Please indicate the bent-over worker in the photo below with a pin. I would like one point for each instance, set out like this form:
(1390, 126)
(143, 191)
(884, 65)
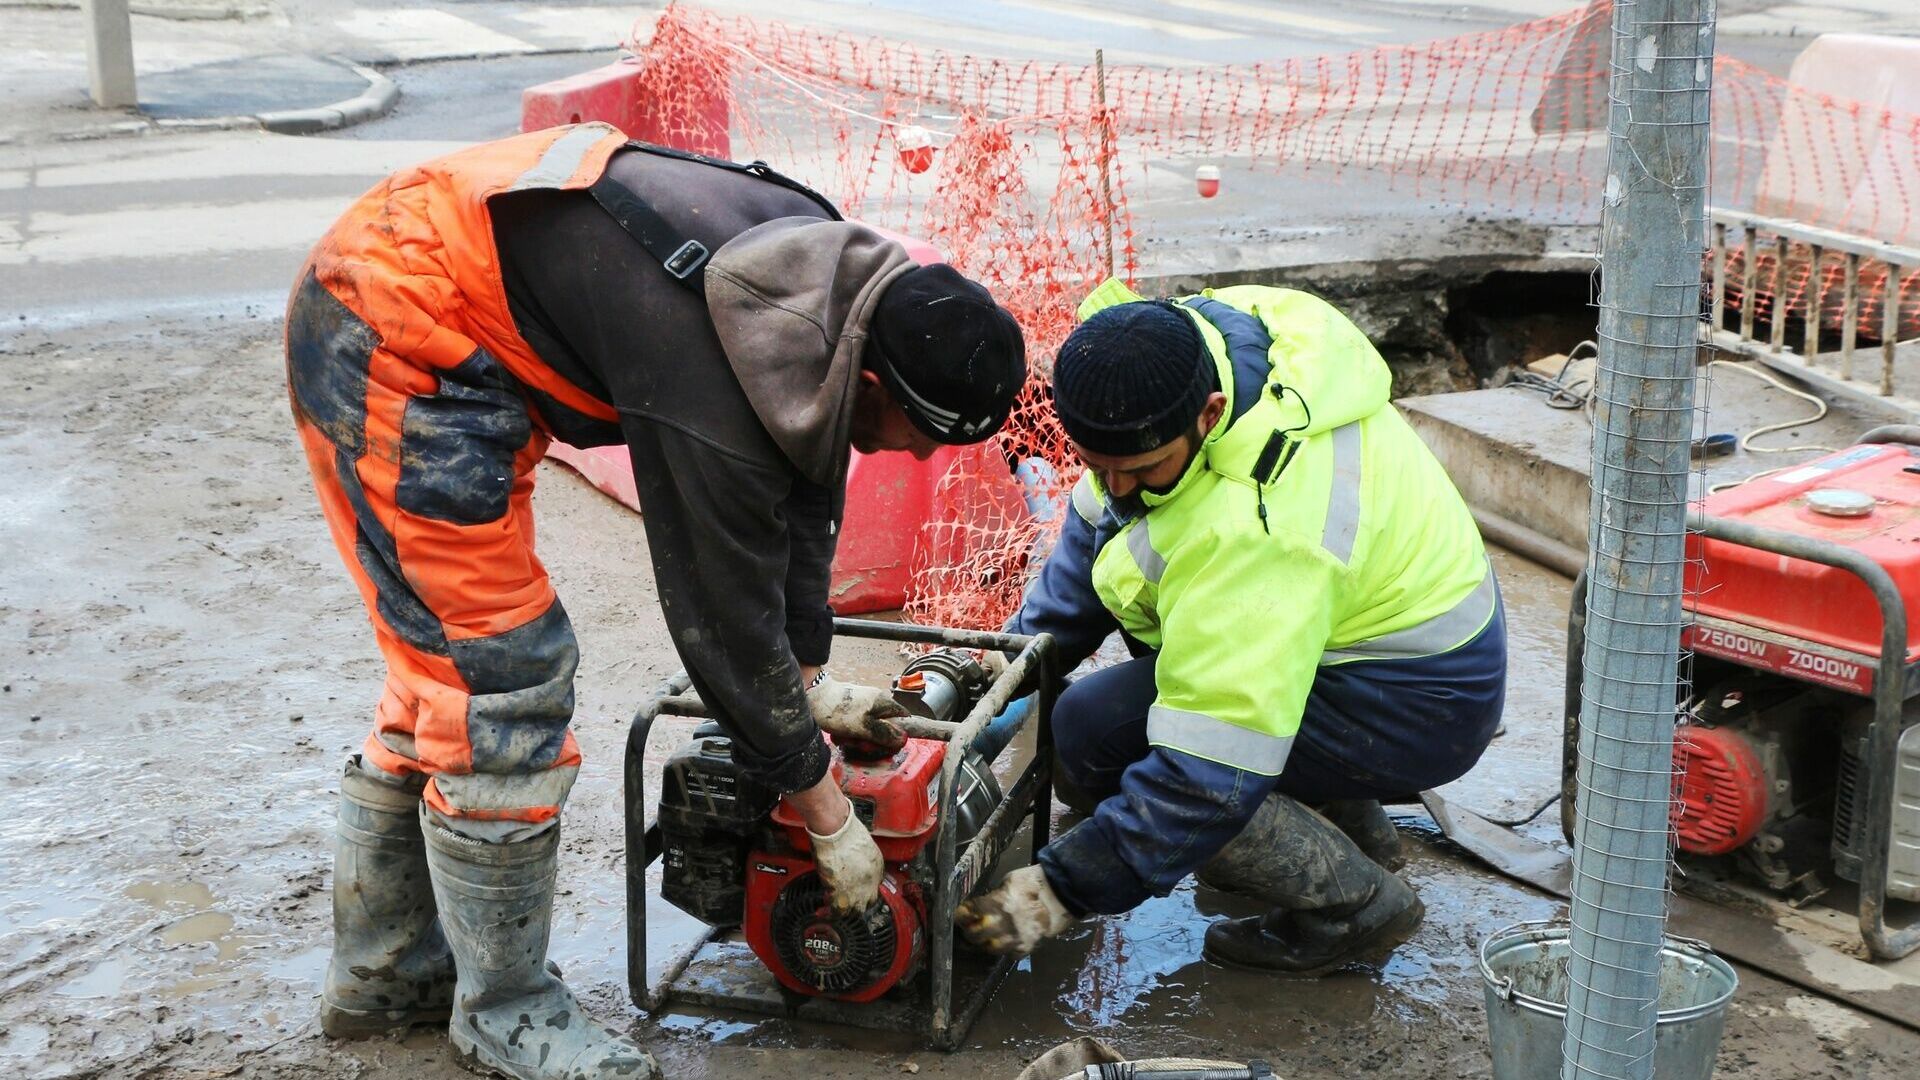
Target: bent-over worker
(724, 324)
(1314, 623)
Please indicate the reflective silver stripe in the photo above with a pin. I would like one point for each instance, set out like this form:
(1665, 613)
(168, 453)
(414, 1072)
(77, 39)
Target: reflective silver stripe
(470, 792)
(1216, 740)
(563, 158)
(1343, 502)
(1085, 502)
(1140, 543)
(1444, 631)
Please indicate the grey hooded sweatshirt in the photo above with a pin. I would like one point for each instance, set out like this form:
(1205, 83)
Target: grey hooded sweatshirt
(735, 404)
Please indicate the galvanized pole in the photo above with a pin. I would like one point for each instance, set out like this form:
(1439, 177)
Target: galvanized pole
(1653, 238)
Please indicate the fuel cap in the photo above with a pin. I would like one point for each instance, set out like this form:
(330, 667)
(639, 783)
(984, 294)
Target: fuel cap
(1840, 502)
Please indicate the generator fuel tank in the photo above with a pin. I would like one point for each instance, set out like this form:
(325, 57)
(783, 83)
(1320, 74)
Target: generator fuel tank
(1763, 610)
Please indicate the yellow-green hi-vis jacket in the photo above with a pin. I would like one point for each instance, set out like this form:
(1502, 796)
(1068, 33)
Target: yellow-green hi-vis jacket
(1313, 529)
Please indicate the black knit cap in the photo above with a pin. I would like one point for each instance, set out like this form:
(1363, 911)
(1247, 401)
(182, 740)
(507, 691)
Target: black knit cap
(1132, 378)
(951, 357)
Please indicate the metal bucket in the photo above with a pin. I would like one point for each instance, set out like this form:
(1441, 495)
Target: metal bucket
(1525, 970)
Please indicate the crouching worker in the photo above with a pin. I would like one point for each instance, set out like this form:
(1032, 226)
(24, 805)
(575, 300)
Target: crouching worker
(1314, 622)
(724, 324)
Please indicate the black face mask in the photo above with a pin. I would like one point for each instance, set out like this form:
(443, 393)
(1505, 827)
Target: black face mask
(1133, 506)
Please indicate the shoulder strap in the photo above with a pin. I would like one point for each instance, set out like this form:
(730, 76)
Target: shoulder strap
(759, 169)
(684, 259)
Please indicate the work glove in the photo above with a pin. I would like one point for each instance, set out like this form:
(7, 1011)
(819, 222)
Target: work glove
(850, 864)
(1015, 915)
(856, 712)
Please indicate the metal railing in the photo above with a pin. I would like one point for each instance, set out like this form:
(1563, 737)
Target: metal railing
(1794, 245)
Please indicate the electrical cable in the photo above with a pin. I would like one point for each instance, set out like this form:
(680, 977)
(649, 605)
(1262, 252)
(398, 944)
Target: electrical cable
(1746, 440)
(1819, 413)
(1514, 823)
(1560, 393)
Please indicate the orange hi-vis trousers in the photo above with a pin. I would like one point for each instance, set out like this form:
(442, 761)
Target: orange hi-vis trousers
(412, 394)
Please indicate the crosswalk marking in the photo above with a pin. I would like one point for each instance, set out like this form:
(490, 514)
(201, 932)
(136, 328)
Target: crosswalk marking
(176, 232)
(1132, 22)
(423, 34)
(238, 154)
(577, 27)
(1275, 16)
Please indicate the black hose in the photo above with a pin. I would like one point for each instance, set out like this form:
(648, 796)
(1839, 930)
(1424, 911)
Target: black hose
(1528, 820)
(1893, 433)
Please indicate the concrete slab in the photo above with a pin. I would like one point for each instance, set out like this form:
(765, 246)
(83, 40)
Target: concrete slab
(1515, 457)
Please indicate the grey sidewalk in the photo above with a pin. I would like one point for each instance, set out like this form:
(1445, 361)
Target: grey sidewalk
(293, 66)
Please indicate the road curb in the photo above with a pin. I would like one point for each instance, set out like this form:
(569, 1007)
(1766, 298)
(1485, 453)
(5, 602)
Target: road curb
(377, 100)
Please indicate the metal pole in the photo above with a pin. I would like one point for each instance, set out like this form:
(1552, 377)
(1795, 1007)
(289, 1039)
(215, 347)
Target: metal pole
(109, 53)
(1106, 149)
(1653, 239)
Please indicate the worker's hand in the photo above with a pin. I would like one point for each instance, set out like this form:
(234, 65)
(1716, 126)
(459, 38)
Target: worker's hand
(847, 711)
(1014, 916)
(849, 862)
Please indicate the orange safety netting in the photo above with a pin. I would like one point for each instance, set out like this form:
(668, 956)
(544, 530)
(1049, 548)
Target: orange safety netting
(1020, 172)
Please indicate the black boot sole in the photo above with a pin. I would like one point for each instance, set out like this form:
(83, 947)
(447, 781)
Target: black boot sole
(1371, 950)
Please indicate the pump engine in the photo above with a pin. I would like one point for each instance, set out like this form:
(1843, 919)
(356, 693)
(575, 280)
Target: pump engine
(736, 855)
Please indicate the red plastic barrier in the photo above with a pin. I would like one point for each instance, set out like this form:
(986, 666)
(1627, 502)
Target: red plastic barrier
(608, 94)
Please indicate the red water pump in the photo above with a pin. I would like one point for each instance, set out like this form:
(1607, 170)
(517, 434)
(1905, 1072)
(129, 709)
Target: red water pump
(736, 854)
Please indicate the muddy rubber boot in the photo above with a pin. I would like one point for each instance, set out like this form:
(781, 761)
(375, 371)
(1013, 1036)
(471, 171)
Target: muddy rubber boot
(1366, 823)
(511, 1014)
(1332, 906)
(390, 968)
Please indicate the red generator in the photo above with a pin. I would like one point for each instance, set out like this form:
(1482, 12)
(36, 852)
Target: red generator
(1797, 755)
(737, 857)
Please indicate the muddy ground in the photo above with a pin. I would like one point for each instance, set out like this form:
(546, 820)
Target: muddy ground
(184, 667)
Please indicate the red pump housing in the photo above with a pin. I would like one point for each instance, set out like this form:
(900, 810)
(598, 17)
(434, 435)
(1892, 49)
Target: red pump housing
(788, 925)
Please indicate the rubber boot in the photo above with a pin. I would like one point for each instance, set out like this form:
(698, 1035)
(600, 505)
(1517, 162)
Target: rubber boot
(391, 967)
(511, 1014)
(1332, 906)
(1366, 823)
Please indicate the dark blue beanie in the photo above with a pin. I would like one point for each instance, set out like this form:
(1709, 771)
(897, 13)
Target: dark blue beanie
(1132, 378)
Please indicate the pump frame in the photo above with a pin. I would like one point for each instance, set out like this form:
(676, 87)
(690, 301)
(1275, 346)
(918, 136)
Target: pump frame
(958, 870)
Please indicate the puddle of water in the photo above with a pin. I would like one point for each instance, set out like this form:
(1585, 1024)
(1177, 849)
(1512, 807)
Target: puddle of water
(207, 927)
(104, 979)
(1133, 958)
(24, 1042)
(171, 895)
(302, 968)
(712, 1030)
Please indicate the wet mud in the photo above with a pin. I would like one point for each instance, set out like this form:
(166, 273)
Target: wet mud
(184, 665)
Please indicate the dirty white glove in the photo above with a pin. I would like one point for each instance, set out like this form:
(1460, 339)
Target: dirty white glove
(850, 864)
(848, 711)
(1015, 915)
